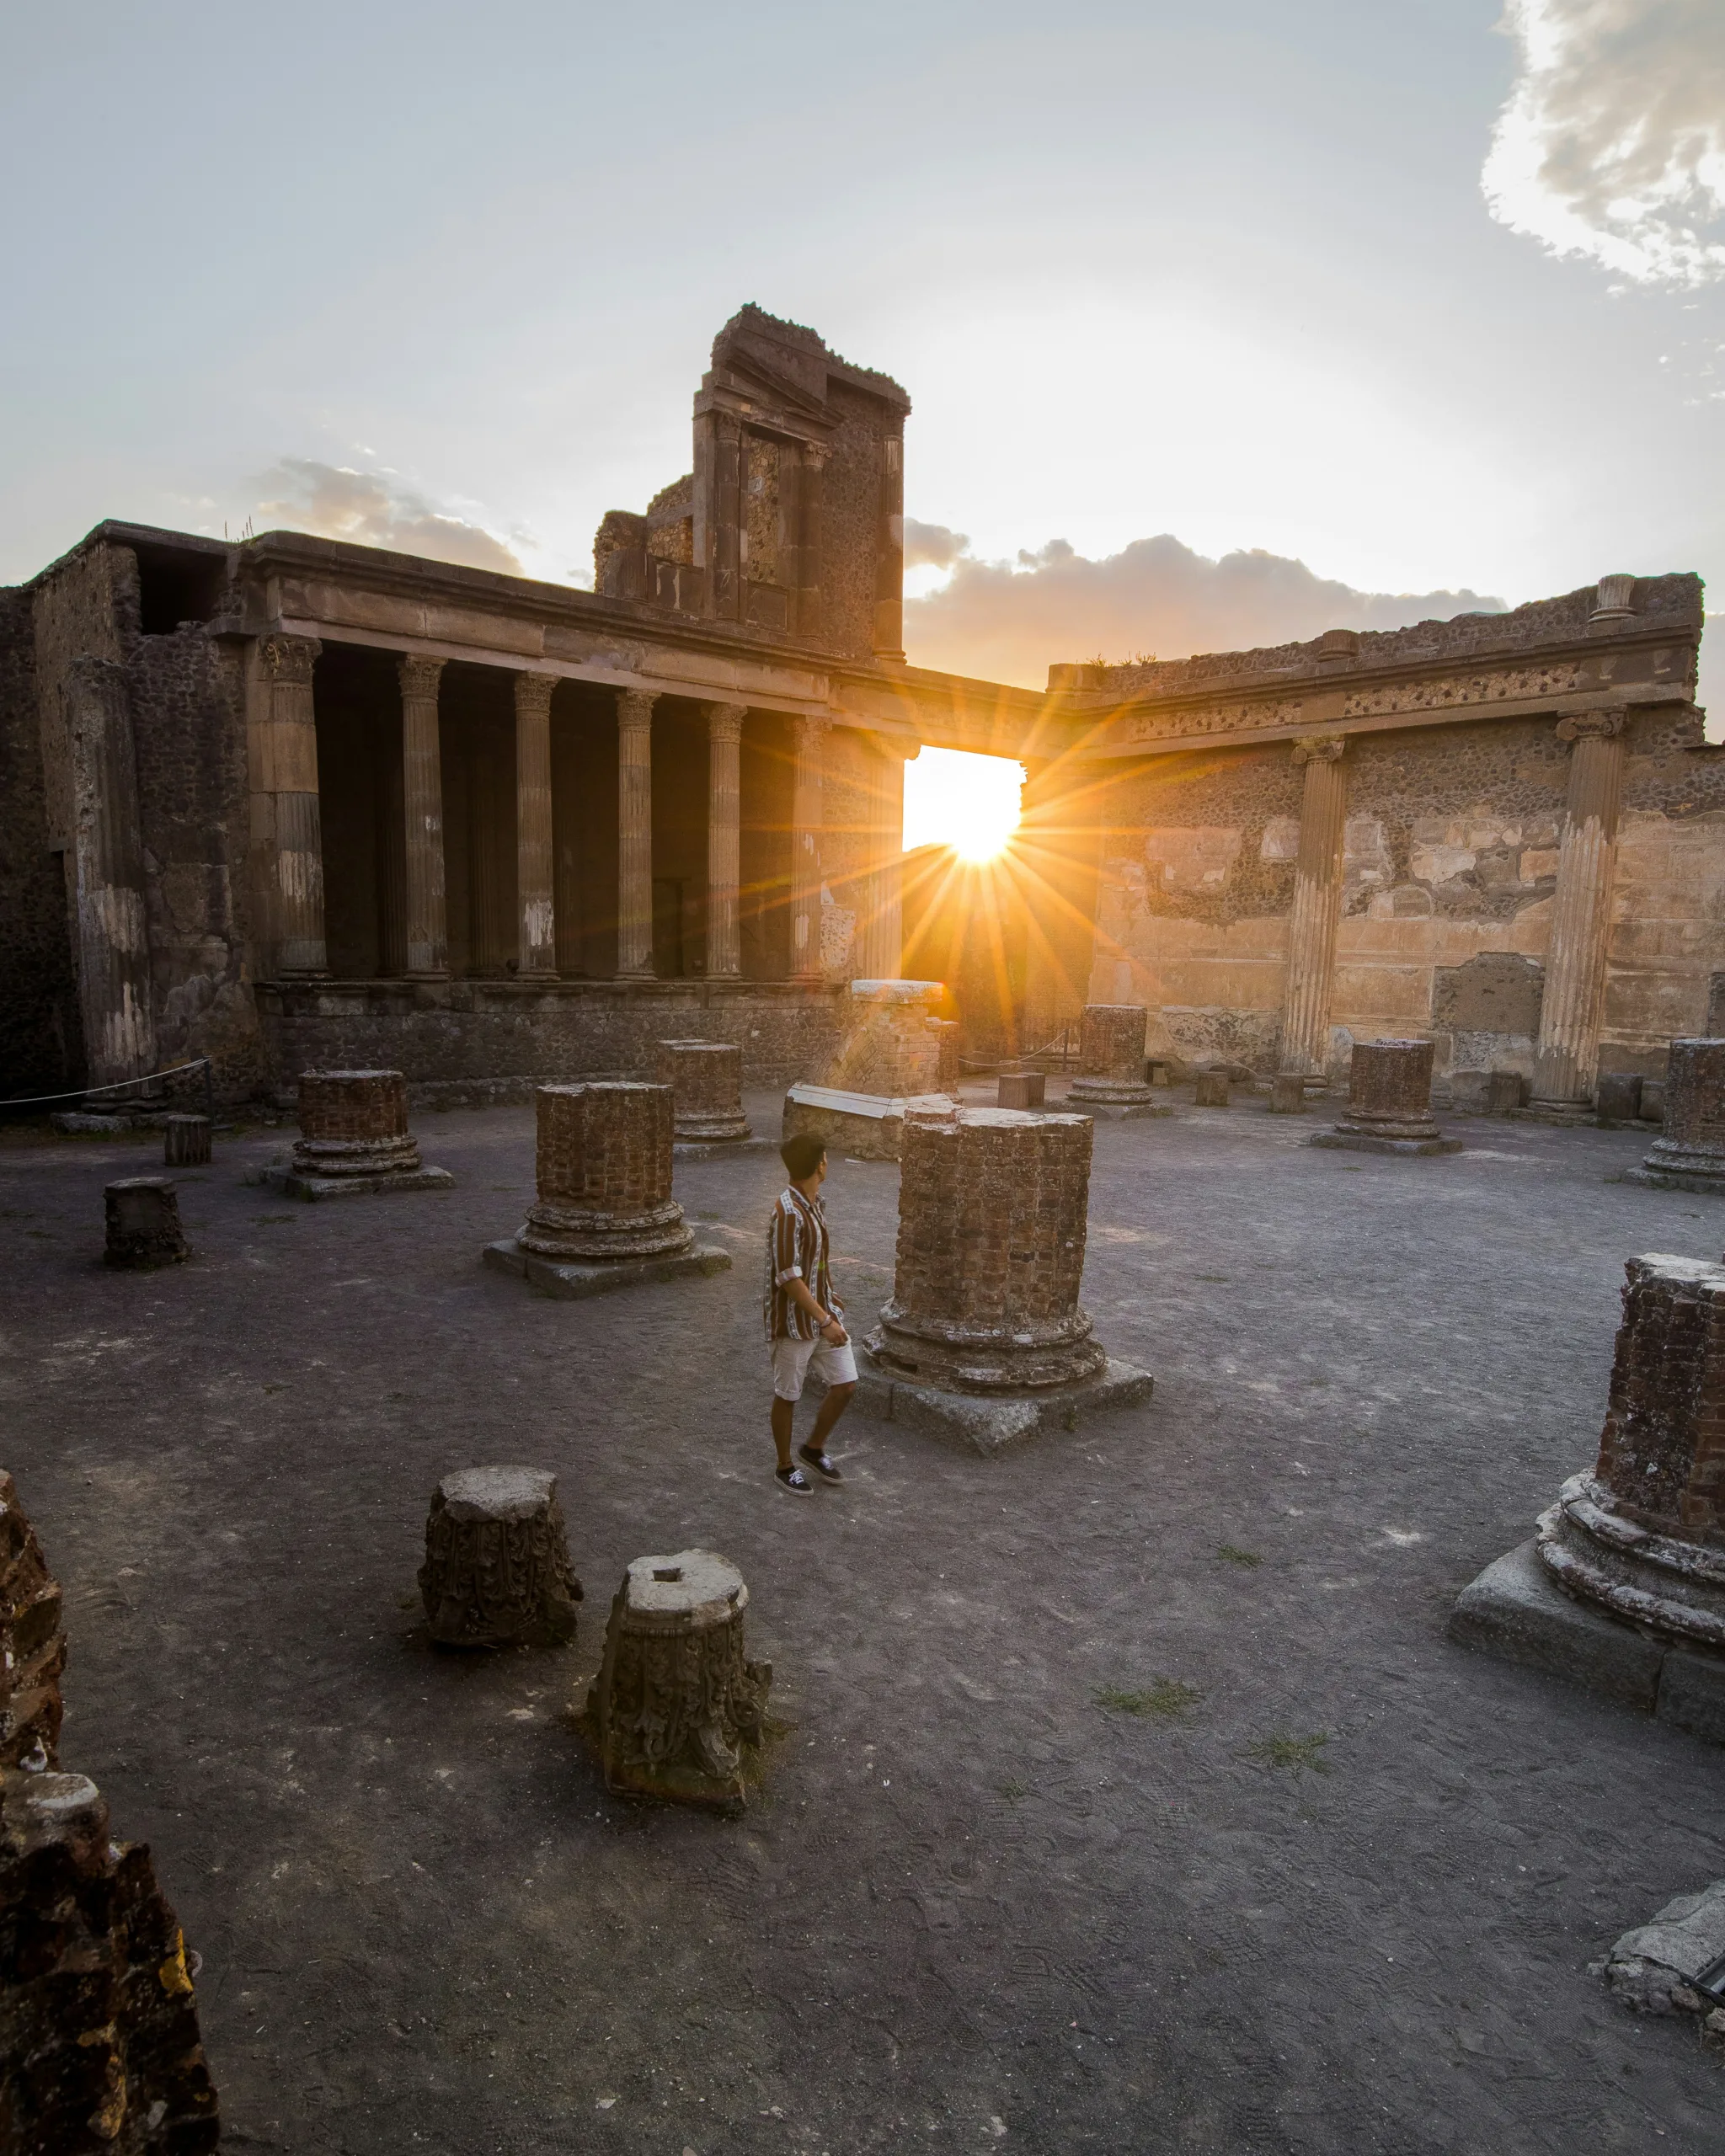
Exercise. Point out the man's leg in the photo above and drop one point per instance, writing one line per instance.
(784, 1412)
(837, 1399)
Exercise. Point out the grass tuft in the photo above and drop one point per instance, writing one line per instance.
(1236, 1555)
(1294, 1754)
(1167, 1699)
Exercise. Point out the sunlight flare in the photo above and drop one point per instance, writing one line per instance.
(969, 803)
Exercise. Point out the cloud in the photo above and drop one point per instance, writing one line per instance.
(1612, 144)
(1006, 621)
(370, 508)
(931, 546)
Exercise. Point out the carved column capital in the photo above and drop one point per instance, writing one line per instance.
(724, 722)
(1319, 749)
(1590, 725)
(289, 660)
(816, 453)
(809, 732)
(419, 676)
(634, 709)
(533, 695)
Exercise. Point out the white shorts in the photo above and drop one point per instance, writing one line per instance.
(793, 1359)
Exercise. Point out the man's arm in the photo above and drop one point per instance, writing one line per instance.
(798, 1291)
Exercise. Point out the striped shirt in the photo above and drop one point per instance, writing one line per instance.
(796, 1250)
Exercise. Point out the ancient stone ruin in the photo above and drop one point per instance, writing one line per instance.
(1022, 1089)
(1111, 1066)
(605, 1217)
(705, 1078)
(144, 1224)
(678, 1711)
(1637, 1543)
(1209, 1090)
(1288, 1093)
(985, 1337)
(497, 1569)
(1389, 1102)
(98, 2023)
(887, 1064)
(1690, 1155)
(185, 1141)
(353, 1139)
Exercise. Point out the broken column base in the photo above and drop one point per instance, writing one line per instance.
(988, 1422)
(866, 1126)
(290, 1183)
(1517, 1611)
(1676, 1179)
(1359, 1141)
(1111, 1111)
(573, 1279)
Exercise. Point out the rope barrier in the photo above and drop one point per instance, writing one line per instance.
(120, 1086)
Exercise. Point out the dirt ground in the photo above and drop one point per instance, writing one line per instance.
(1343, 1899)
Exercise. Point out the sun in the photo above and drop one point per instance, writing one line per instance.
(969, 803)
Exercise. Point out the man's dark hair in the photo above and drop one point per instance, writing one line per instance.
(802, 1155)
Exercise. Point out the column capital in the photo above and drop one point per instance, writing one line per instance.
(289, 660)
(533, 694)
(724, 722)
(1590, 725)
(419, 676)
(1319, 749)
(634, 707)
(816, 453)
(808, 730)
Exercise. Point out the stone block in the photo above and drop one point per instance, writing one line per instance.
(1022, 1089)
(1353, 1141)
(1654, 1968)
(573, 1280)
(288, 1182)
(1517, 1611)
(1210, 1089)
(1653, 1101)
(991, 1425)
(497, 1561)
(144, 1224)
(705, 1078)
(892, 1043)
(185, 1141)
(1288, 1093)
(678, 1711)
(1504, 1089)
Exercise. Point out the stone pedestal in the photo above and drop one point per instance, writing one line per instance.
(1111, 1058)
(1617, 1096)
(605, 1217)
(678, 1711)
(984, 1336)
(497, 1561)
(949, 1064)
(1288, 1093)
(1504, 1089)
(185, 1141)
(1690, 1155)
(1389, 1102)
(705, 1078)
(96, 1996)
(32, 1644)
(143, 1222)
(1022, 1089)
(353, 1139)
(1210, 1089)
(1636, 1546)
(888, 1063)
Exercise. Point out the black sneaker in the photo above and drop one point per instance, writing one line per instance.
(793, 1480)
(822, 1462)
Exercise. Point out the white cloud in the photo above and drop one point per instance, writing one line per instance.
(1008, 621)
(1612, 144)
(372, 509)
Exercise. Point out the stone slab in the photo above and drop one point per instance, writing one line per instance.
(718, 1149)
(310, 1188)
(1516, 1611)
(867, 1126)
(1659, 1179)
(573, 1279)
(1100, 1112)
(1341, 1141)
(987, 1423)
(1692, 1694)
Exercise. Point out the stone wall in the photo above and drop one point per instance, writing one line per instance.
(41, 1041)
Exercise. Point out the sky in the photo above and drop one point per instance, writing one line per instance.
(1221, 325)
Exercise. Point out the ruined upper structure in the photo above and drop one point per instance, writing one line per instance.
(793, 518)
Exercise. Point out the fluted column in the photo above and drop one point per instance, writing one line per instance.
(1570, 1009)
(282, 751)
(1317, 907)
(809, 740)
(880, 943)
(535, 906)
(113, 931)
(635, 834)
(724, 737)
(422, 810)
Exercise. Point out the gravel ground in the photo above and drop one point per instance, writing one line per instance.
(1334, 1887)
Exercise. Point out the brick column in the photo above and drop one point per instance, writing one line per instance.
(604, 1174)
(724, 737)
(634, 834)
(282, 751)
(1567, 1060)
(1317, 907)
(534, 910)
(113, 932)
(422, 808)
(809, 737)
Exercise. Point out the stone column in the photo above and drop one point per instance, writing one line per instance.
(880, 954)
(808, 595)
(604, 1165)
(725, 798)
(1690, 1153)
(422, 799)
(889, 553)
(534, 910)
(1317, 907)
(1111, 1056)
(705, 1078)
(809, 737)
(113, 931)
(1389, 1102)
(353, 1123)
(497, 1565)
(282, 750)
(634, 834)
(1581, 914)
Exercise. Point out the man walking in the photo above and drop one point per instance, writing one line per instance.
(805, 1330)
